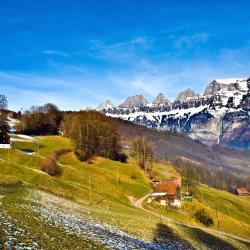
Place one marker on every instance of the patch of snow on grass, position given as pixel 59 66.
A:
pixel 65 214
pixel 12 232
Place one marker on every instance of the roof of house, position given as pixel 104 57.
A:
pixel 170 187
pixel 242 191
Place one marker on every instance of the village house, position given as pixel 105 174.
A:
pixel 167 193
pixel 242 192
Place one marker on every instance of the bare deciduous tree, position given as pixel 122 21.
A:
pixel 143 153
pixel 3 102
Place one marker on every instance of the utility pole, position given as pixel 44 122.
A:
pixel 80 138
pixel 218 219
pixel 90 190
pixel 8 155
pixel 117 182
pixel 37 145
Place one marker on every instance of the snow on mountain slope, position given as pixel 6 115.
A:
pixel 220 115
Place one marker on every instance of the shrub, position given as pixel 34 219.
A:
pixel 49 166
pixel 202 216
pixel 120 157
pixel 133 176
pixel 83 155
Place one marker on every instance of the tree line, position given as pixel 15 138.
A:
pixel 93 133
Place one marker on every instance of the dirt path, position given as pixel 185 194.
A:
pixel 138 203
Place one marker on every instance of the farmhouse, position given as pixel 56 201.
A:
pixel 167 193
pixel 242 192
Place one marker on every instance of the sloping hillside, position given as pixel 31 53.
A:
pixel 86 206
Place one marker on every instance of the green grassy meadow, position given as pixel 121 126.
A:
pixel 100 192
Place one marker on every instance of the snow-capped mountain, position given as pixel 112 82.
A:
pixel 220 115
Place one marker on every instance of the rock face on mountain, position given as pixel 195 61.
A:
pixel 134 101
pixel 220 116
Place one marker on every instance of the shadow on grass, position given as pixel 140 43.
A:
pixel 165 236
pixel 25 151
pixel 209 240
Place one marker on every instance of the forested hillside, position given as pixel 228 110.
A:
pixel 214 163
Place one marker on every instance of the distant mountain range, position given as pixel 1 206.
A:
pixel 219 116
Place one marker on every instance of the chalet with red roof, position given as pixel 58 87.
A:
pixel 167 193
pixel 172 189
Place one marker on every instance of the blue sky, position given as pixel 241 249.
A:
pixel 78 53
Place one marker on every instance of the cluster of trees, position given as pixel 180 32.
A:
pixel 40 120
pixel 93 134
pixel 218 178
pixel 143 153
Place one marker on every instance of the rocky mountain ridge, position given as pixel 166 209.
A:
pixel 220 116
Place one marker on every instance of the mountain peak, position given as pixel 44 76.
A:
pixel 186 94
pixel 105 105
pixel 161 100
pixel 134 101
